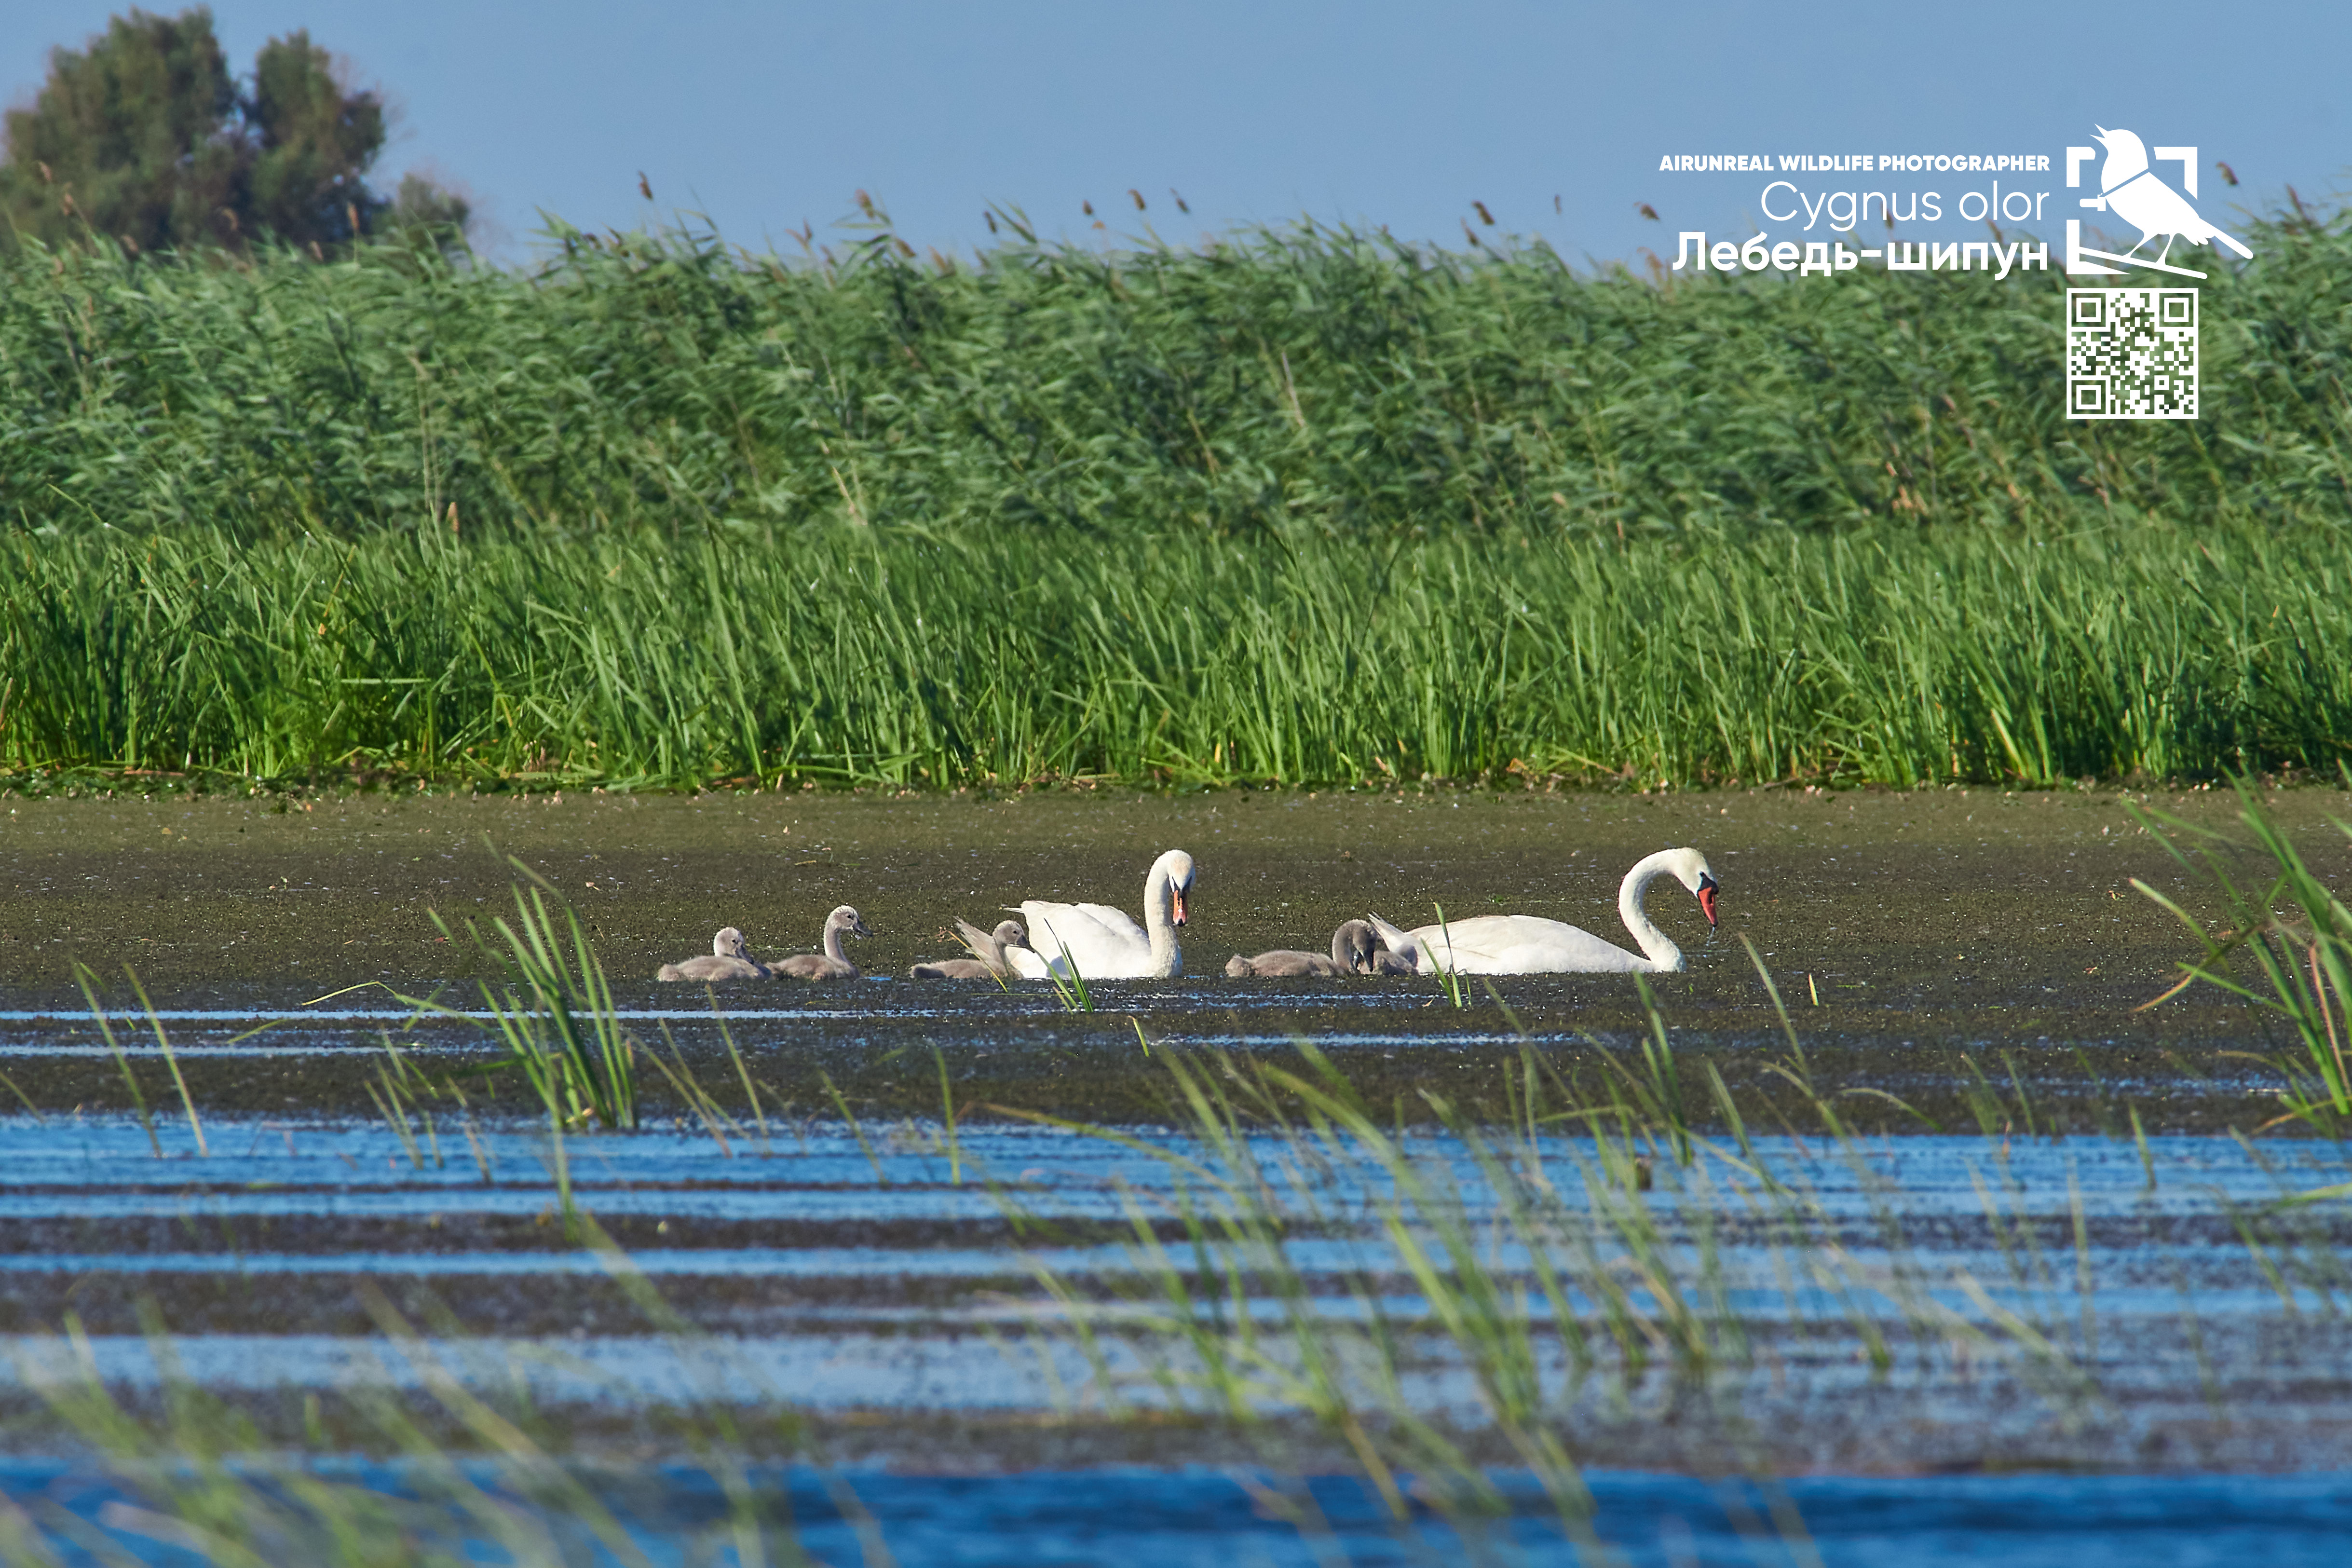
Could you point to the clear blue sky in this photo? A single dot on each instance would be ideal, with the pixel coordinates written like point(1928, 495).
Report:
point(764, 116)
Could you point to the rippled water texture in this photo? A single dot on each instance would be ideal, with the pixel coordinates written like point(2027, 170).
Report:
point(2048, 1306)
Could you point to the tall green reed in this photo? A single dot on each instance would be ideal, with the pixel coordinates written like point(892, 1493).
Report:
point(1225, 1323)
point(1310, 506)
point(87, 978)
point(2303, 958)
point(920, 656)
point(1070, 984)
point(464, 1471)
point(1449, 978)
point(552, 1012)
point(1571, 1275)
point(1337, 379)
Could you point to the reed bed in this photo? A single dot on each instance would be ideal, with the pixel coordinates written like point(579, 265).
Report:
point(1310, 507)
point(2297, 935)
point(943, 658)
point(1262, 381)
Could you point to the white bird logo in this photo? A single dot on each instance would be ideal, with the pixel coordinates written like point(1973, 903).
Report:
point(2131, 190)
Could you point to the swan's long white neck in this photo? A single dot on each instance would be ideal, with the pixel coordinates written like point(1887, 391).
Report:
point(1660, 948)
point(1160, 921)
point(1396, 941)
point(833, 949)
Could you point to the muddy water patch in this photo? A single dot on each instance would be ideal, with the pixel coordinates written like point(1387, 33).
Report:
point(1920, 939)
point(1941, 891)
point(1093, 1067)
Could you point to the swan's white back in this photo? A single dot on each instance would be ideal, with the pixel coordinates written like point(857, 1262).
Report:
point(1522, 944)
point(1103, 943)
point(1530, 945)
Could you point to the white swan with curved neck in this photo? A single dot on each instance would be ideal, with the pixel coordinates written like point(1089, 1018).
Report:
point(1105, 943)
point(1530, 944)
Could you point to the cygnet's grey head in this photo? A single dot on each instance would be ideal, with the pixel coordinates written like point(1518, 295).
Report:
point(848, 922)
point(1011, 933)
point(727, 943)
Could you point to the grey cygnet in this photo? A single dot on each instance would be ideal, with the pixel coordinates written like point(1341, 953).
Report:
point(727, 959)
point(1285, 963)
point(987, 960)
point(832, 963)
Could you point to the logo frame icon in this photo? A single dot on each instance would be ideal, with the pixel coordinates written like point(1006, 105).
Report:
point(2131, 189)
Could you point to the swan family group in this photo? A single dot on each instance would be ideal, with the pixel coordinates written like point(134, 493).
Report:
point(1095, 941)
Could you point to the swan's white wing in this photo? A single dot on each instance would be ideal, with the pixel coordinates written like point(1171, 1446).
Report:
point(1118, 922)
point(1521, 944)
point(1025, 963)
point(1051, 925)
point(1104, 942)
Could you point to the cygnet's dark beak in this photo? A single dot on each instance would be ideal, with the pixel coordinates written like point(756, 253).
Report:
point(1706, 898)
point(1178, 893)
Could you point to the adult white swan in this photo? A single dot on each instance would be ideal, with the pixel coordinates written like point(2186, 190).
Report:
point(1104, 942)
point(1530, 944)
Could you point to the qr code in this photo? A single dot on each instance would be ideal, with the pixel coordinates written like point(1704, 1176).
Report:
point(2131, 354)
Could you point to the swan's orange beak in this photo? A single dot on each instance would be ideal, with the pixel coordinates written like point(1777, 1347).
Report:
point(1178, 895)
point(1706, 898)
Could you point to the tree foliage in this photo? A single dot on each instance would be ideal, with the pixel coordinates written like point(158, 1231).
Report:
point(144, 137)
point(311, 142)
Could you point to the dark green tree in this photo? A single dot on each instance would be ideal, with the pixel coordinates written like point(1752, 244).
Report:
point(311, 143)
point(133, 137)
point(144, 137)
point(425, 213)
